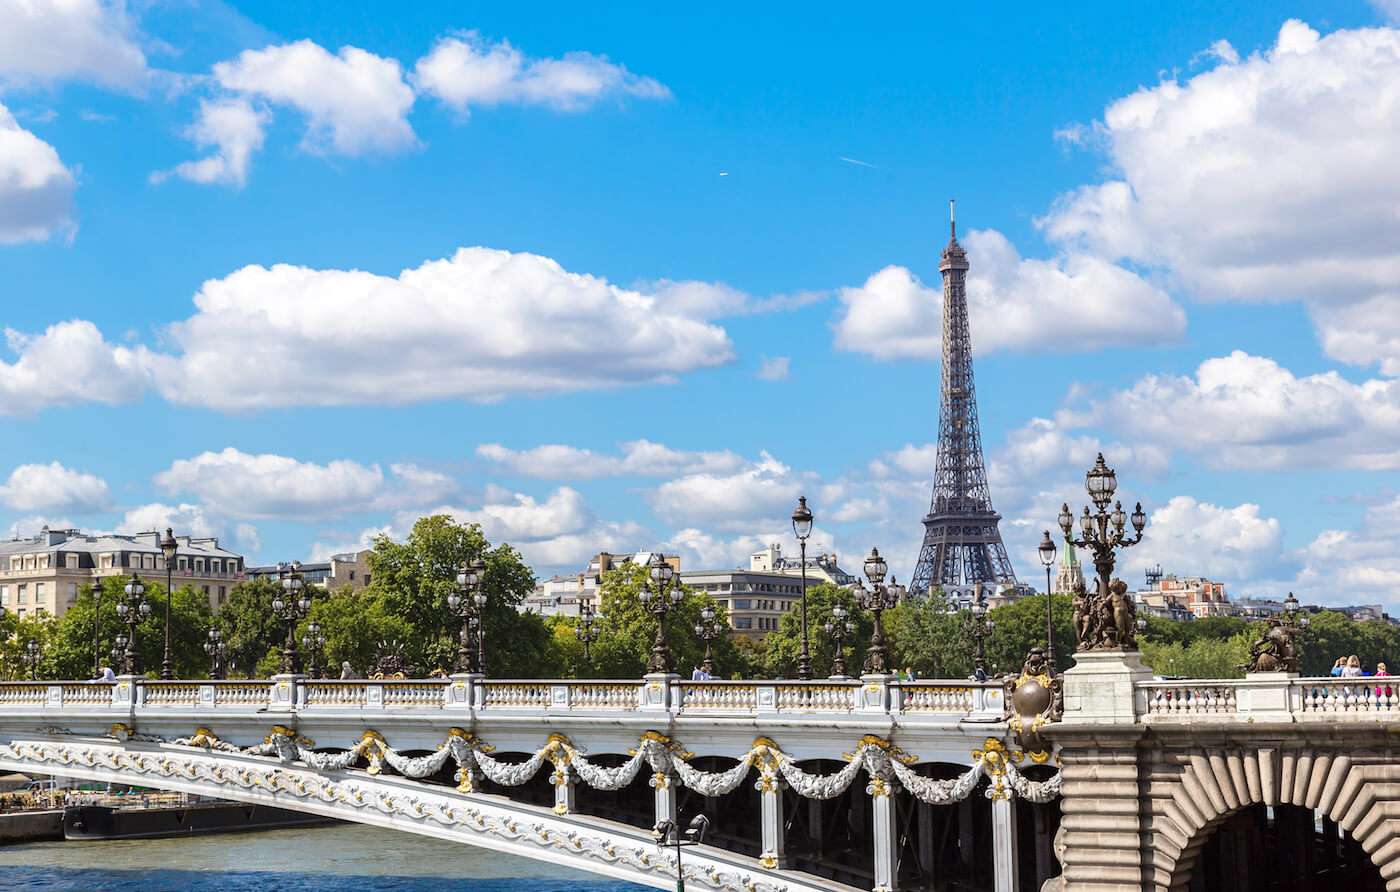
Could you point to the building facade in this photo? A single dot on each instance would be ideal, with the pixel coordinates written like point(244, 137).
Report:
point(1166, 593)
point(563, 595)
point(42, 576)
point(348, 569)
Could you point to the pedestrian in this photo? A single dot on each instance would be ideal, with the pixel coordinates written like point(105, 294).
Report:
point(1338, 666)
point(697, 674)
point(1381, 672)
point(1353, 667)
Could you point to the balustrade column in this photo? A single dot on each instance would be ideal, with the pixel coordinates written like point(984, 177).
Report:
point(884, 823)
point(565, 781)
point(1006, 868)
point(770, 797)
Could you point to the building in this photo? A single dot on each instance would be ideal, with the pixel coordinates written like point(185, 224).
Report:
point(821, 567)
point(1070, 574)
point(563, 595)
point(757, 598)
point(1197, 595)
point(42, 576)
point(349, 569)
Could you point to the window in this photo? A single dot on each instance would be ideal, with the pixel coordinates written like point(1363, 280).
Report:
point(742, 622)
point(742, 604)
point(223, 592)
point(71, 561)
point(199, 565)
point(4, 594)
point(39, 611)
point(43, 562)
point(206, 590)
point(723, 604)
point(38, 592)
point(23, 595)
point(72, 592)
point(21, 613)
point(352, 575)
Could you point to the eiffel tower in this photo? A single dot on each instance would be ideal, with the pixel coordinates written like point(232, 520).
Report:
point(962, 545)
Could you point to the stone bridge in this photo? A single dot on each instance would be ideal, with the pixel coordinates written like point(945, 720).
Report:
point(1267, 782)
point(869, 784)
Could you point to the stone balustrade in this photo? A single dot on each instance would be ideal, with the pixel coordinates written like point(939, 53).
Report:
point(1268, 696)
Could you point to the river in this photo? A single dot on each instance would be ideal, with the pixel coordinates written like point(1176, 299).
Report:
point(318, 859)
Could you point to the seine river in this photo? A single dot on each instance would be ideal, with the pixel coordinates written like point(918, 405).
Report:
point(320, 859)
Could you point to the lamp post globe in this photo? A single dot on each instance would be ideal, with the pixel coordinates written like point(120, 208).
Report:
point(707, 629)
point(463, 603)
point(660, 597)
point(802, 529)
point(877, 600)
point(169, 546)
point(132, 609)
point(291, 604)
point(1047, 557)
point(1104, 533)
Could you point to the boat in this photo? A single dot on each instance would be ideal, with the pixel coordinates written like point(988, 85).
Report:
point(159, 821)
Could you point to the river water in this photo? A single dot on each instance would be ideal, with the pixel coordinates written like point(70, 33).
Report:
point(316, 859)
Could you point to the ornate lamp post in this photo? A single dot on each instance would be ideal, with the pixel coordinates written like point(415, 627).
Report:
point(168, 548)
point(978, 627)
point(707, 630)
point(131, 609)
point(32, 654)
point(314, 643)
point(660, 597)
point(1098, 626)
point(877, 600)
point(214, 647)
point(291, 605)
point(119, 650)
point(96, 628)
point(840, 629)
point(802, 528)
point(586, 632)
point(1047, 557)
point(466, 604)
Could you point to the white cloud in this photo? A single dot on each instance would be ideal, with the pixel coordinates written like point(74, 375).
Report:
point(774, 368)
point(1388, 8)
point(36, 190)
point(235, 130)
point(467, 70)
point(52, 487)
point(28, 527)
point(481, 325)
point(639, 458)
point(69, 363)
point(355, 102)
point(761, 494)
point(1244, 411)
point(236, 484)
point(1073, 302)
point(1268, 177)
point(1207, 540)
point(1359, 566)
point(85, 40)
point(184, 518)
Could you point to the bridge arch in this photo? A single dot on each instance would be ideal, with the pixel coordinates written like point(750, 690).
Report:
point(1214, 784)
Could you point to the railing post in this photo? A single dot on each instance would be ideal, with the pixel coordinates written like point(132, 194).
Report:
point(458, 693)
point(656, 691)
point(1006, 868)
point(765, 698)
point(53, 699)
point(885, 828)
point(558, 698)
point(564, 781)
point(771, 818)
point(124, 693)
point(374, 696)
point(873, 695)
point(206, 696)
point(286, 693)
point(665, 787)
point(1264, 697)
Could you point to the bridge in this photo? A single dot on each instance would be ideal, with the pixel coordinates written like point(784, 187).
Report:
point(863, 784)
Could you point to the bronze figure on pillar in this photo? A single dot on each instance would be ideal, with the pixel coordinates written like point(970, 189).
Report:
point(1106, 618)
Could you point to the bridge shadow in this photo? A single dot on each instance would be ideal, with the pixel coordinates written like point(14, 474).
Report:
point(67, 879)
point(1286, 848)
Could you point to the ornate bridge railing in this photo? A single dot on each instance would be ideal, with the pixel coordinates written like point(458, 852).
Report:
point(1269, 697)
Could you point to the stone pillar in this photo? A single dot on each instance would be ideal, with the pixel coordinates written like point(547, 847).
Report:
point(565, 782)
point(665, 786)
point(771, 820)
point(656, 691)
point(925, 841)
point(1100, 796)
point(285, 694)
point(884, 823)
point(1006, 867)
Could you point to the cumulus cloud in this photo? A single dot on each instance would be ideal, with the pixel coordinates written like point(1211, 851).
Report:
point(69, 363)
point(762, 493)
point(1220, 542)
point(234, 128)
point(775, 368)
point(639, 458)
point(52, 487)
point(481, 325)
point(231, 483)
point(1245, 411)
point(1357, 566)
point(43, 41)
point(1266, 177)
point(188, 519)
point(355, 102)
point(1073, 302)
point(36, 189)
point(465, 71)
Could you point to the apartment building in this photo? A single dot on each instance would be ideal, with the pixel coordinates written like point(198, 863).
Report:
point(348, 569)
point(41, 576)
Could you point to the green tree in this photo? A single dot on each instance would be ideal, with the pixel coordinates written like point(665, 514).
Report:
point(926, 635)
point(68, 640)
point(782, 646)
point(1201, 658)
point(1020, 626)
point(626, 629)
point(249, 628)
point(354, 622)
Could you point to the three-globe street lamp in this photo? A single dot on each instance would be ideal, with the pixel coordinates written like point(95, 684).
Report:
point(1103, 532)
point(802, 528)
point(96, 627)
point(214, 647)
point(586, 631)
point(660, 598)
point(978, 626)
point(314, 643)
point(467, 603)
point(1047, 557)
point(840, 629)
point(707, 630)
point(32, 654)
point(877, 600)
point(291, 605)
point(131, 609)
point(168, 548)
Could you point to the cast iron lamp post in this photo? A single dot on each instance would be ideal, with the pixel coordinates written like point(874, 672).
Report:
point(660, 601)
point(96, 628)
point(118, 651)
point(668, 833)
point(707, 630)
point(168, 548)
point(466, 604)
point(586, 632)
point(131, 609)
point(314, 643)
point(1102, 532)
point(32, 654)
point(978, 627)
point(877, 600)
point(1047, 557)
point(802, 528)
point(291, 605)
point(214, 647)
point(840, 629)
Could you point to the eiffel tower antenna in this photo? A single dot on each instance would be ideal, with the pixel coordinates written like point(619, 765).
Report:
point(962, 542)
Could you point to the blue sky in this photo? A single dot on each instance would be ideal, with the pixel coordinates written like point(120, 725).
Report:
point(717, 233)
